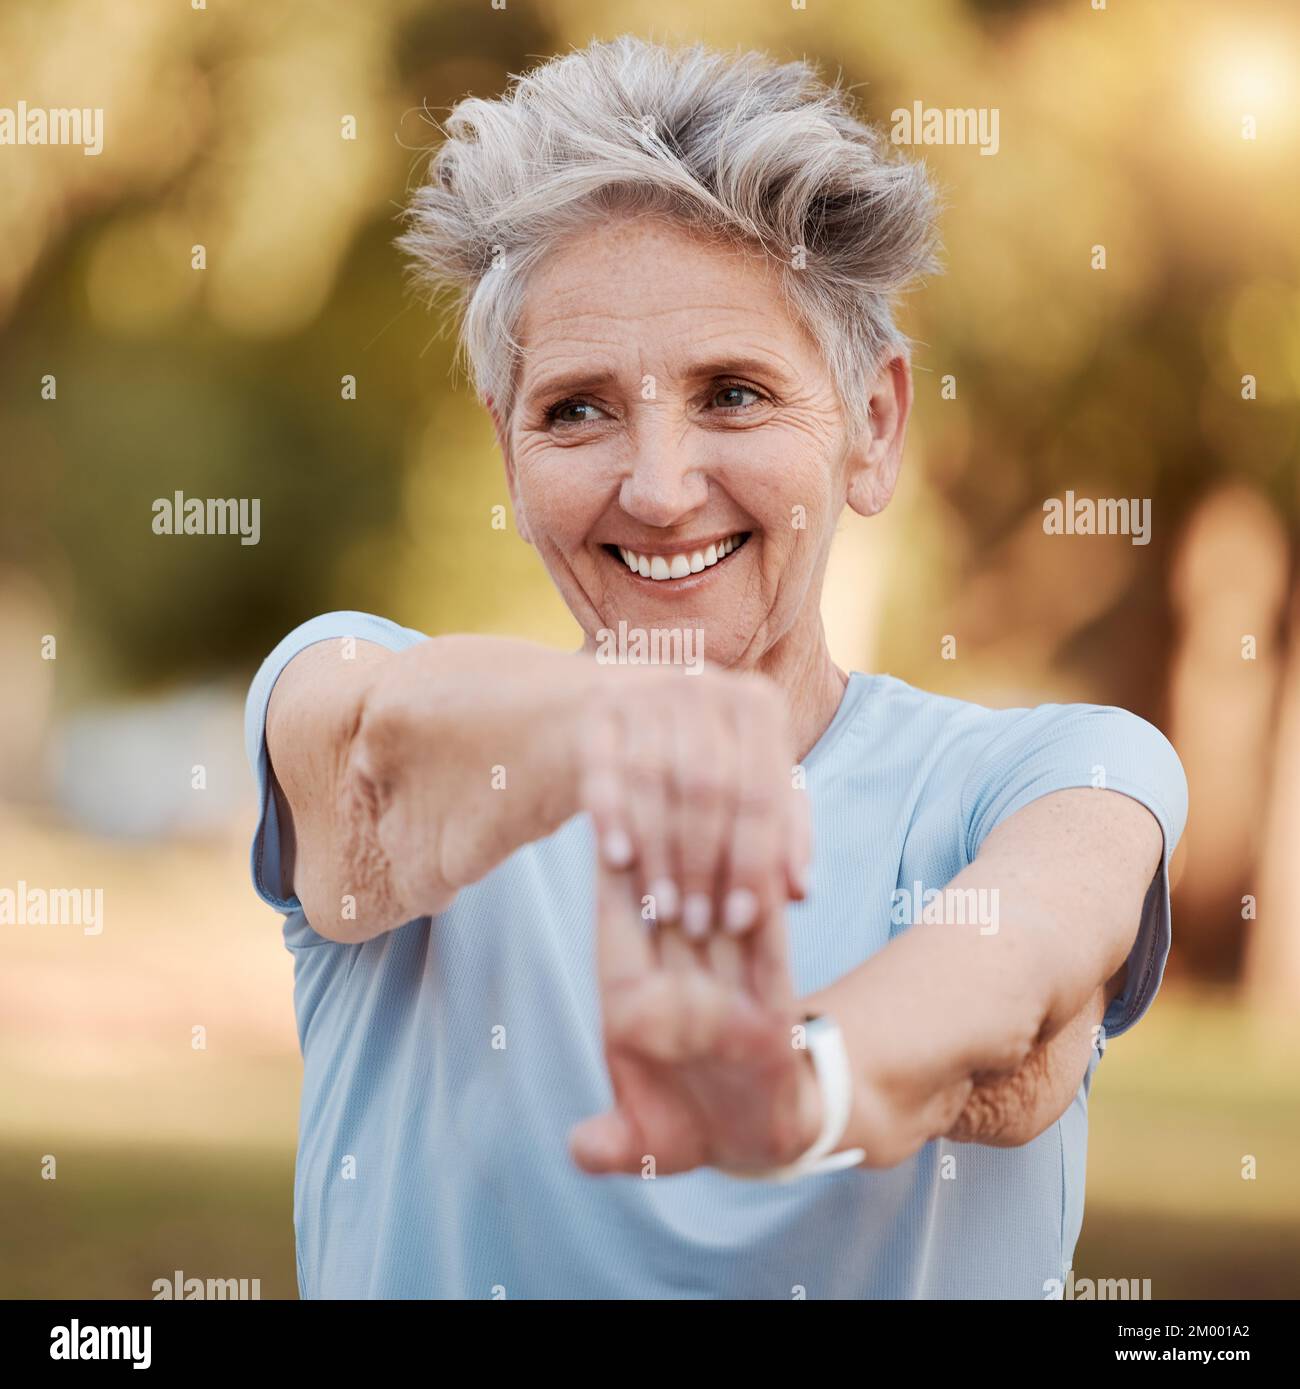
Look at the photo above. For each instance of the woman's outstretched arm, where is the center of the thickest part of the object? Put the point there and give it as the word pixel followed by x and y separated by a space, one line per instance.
pixel 401 778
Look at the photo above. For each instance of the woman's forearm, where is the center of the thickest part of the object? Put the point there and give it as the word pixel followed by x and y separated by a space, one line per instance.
pixel 938 1007
pixel 949 1011
pixel 411 775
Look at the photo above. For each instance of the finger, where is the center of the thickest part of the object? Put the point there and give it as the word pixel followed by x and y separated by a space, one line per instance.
pixel 703 754
pixel 601 791
pixel 755 855
pixel 704 758
pixel 670 1019
pixel 625 943
pixel 768 963
pixel 703 1009
pixel 647 741
pixel 725 956
pixel 799 837
pixel 758 855
pixel 646 757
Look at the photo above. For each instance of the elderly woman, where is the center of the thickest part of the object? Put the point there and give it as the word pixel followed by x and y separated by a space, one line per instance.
pixel 748 977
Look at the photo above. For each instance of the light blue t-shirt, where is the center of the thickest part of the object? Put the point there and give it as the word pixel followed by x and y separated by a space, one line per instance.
pixel 446 1061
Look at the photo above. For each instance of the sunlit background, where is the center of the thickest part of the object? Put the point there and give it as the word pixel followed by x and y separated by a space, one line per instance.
pixel 1167 134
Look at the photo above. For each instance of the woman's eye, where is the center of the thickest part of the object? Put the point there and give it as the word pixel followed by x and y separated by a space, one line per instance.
pixel 734 397
pixel 574 412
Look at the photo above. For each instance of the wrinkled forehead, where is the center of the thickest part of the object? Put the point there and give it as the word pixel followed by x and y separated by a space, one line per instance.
pixel 649 291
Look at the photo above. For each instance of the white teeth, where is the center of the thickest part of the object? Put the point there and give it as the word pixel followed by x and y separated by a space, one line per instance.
pixel 661 567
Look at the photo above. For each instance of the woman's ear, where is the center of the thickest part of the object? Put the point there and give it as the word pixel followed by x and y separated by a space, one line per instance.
pixel 875 459
pixel 507 456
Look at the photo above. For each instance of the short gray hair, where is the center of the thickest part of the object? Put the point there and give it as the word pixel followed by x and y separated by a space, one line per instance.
pixel 729 144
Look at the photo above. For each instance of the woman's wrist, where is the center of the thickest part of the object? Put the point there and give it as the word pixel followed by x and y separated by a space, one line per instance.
pixel 823 1103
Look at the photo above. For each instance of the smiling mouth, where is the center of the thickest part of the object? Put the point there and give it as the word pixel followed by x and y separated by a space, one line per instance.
pixel 683 565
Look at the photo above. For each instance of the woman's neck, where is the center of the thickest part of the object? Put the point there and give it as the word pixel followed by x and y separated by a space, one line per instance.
pixel 814 686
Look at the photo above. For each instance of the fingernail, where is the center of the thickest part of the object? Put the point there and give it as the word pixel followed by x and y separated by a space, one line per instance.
pixel 697 915
pixel 664 891
pixel 800 876
pixel 618 849
pixel 740 911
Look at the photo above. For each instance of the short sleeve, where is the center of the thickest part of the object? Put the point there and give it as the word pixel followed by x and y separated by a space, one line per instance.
pixel 336 626
pixel 1056 747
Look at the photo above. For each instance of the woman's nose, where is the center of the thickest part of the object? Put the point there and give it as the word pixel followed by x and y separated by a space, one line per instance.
pixel 664 485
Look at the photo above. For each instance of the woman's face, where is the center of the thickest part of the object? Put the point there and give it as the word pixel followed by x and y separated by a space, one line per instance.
pixel 677 452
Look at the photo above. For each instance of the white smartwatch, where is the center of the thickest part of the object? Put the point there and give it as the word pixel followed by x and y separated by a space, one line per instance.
pixel 835 1082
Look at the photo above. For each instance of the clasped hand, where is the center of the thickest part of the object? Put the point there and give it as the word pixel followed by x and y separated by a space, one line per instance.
pixel 701 841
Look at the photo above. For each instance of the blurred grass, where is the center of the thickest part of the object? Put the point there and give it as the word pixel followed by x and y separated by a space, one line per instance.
pixel 1176 1105
pixel 119 1217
